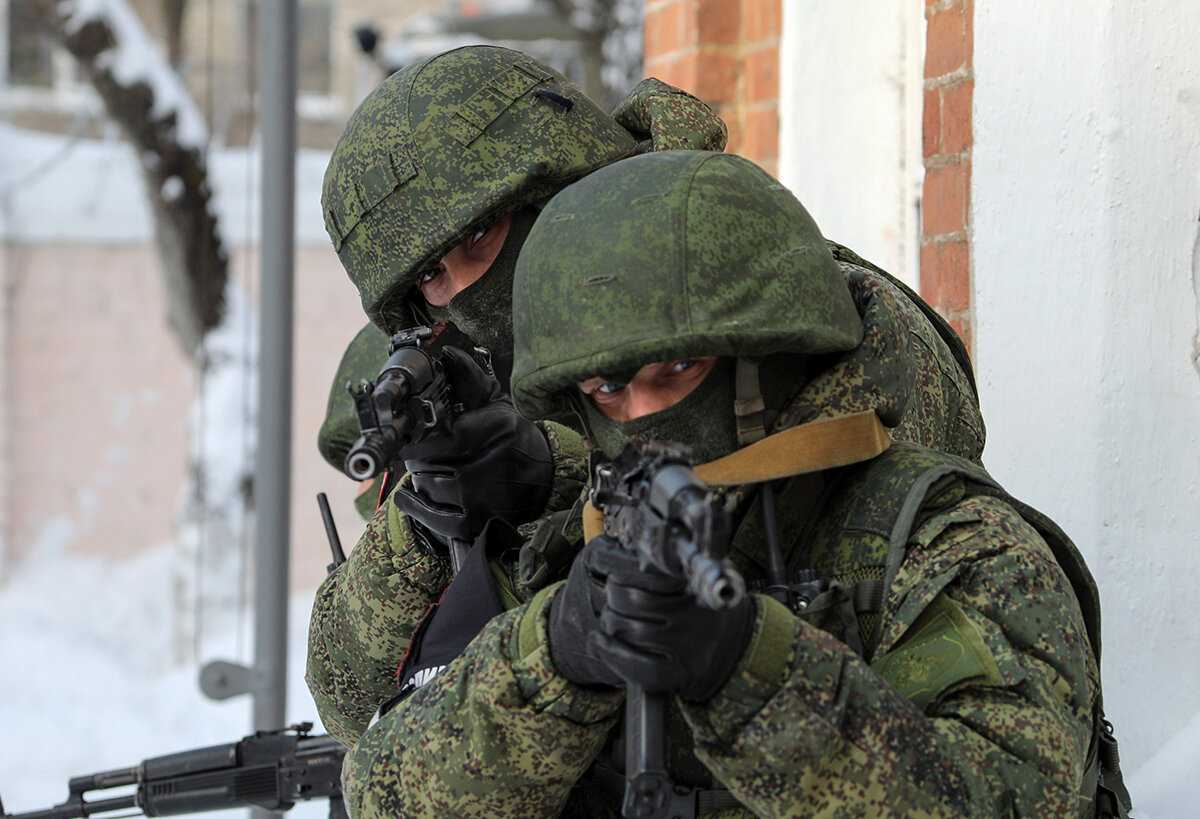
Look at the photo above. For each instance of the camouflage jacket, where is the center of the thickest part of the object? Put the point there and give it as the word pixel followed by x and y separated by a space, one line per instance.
pixel 365 613
pixel 971 692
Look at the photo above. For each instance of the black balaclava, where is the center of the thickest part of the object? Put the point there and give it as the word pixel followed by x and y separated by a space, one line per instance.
pixel 483 310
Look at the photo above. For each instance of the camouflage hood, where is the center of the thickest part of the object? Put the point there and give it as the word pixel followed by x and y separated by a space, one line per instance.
pixel 448 145
pixel 670 255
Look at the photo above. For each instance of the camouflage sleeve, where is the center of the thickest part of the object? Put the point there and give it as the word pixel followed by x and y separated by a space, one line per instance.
pixel 497 734
pixel 363 617
pixel 979 705
pixel 364 614
pixel 669 119
pixel 570 465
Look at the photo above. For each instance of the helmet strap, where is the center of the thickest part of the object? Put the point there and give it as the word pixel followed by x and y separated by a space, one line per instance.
pixel 749 408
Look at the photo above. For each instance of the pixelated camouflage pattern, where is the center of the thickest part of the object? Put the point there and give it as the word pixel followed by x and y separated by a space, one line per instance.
pixel 943 408
pixel 446 145
pixel 805 727
pixel 516 755
pixel 665 118
pixel 363 358
pixel 903 370
pixel 383 588
pixel 661 256
pixel 365 612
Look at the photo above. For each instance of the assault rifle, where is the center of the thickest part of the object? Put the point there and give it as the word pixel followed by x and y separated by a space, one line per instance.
pixel 408 399
pixel 656 506
pixel 268 769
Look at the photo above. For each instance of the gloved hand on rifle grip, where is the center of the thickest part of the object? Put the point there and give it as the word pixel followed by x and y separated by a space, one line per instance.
pixel 575 616
pixel 493 462
pixel 645 629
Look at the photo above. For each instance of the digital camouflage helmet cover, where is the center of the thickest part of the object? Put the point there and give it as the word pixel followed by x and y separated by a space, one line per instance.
pixel 448 145
pixel 665 256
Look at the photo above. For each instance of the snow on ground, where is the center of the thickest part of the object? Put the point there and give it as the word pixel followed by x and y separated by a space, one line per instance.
pixel 86 679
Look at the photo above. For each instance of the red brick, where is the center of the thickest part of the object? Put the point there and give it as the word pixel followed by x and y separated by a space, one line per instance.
pixel 957 133
pixel 944 202
pixel 762 20
pixel 761 140
pixel 718 22
pixel 949 280
pixel 931 123
pixel 945 43
pixel 716 76
pixel 761 72
pixel 969 33
pixel 665 30
pixel 678 70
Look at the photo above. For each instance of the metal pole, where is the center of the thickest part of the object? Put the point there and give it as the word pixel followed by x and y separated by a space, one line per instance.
pixel 272 473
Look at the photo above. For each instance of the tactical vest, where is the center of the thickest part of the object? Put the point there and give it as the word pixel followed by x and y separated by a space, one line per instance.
pixel 861 519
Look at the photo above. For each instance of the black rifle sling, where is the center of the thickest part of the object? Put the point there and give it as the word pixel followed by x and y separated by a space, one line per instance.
pixel 468 603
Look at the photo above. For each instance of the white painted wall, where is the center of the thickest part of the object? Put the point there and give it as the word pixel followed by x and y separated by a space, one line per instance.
pixel 850 123
pixel 1086 266
pixel 1086 251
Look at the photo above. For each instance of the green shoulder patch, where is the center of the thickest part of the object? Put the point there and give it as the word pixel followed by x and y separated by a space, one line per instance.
pixel 941 652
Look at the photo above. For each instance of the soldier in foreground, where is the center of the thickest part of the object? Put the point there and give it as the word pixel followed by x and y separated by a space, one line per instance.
pixel 411 200
pixel 933 650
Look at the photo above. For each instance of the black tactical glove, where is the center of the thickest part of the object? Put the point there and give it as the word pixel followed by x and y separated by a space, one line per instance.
pixel 575 616
pixel 493 463
pixel 649 631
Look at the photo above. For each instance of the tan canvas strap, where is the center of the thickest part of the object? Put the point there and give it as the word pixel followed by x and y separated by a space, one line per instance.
pixel 812 447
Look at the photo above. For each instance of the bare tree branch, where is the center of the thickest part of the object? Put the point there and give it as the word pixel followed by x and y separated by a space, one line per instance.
pixel 194 261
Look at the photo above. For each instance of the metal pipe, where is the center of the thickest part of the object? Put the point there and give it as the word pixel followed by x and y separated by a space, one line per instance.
pixel 272 473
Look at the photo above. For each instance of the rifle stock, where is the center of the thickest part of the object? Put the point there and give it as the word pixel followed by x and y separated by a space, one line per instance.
pixel 271 770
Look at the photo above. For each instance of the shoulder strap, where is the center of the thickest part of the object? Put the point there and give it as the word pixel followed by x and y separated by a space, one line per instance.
pixel 1102 780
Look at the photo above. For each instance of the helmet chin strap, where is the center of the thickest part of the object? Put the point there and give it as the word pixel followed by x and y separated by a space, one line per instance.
pixel 749 408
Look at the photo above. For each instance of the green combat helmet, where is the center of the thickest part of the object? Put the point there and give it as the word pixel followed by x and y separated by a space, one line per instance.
pixel 444 147
pixel 665 256
pixel 362 359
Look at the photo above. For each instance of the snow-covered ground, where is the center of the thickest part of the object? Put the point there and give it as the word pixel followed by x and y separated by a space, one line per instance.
pixel 87 682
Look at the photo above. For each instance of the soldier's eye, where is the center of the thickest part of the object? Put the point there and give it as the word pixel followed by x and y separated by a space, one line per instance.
pixel 428 276
pixel 608 388
pixel 683 365
pixel 478 235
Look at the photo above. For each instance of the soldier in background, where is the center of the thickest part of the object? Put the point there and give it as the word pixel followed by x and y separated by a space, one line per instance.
pixel 932 656
pixel 438 176
pixel 363 358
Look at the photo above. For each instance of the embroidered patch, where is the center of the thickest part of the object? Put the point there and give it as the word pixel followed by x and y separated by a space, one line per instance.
pixel 941 652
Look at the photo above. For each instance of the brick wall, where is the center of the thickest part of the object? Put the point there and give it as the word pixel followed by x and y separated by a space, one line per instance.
pixel 727 53
pixel 947 139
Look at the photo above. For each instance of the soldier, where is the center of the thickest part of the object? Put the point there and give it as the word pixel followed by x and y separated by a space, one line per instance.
pixel 931 657
pixel 435 181
pixel 439 155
